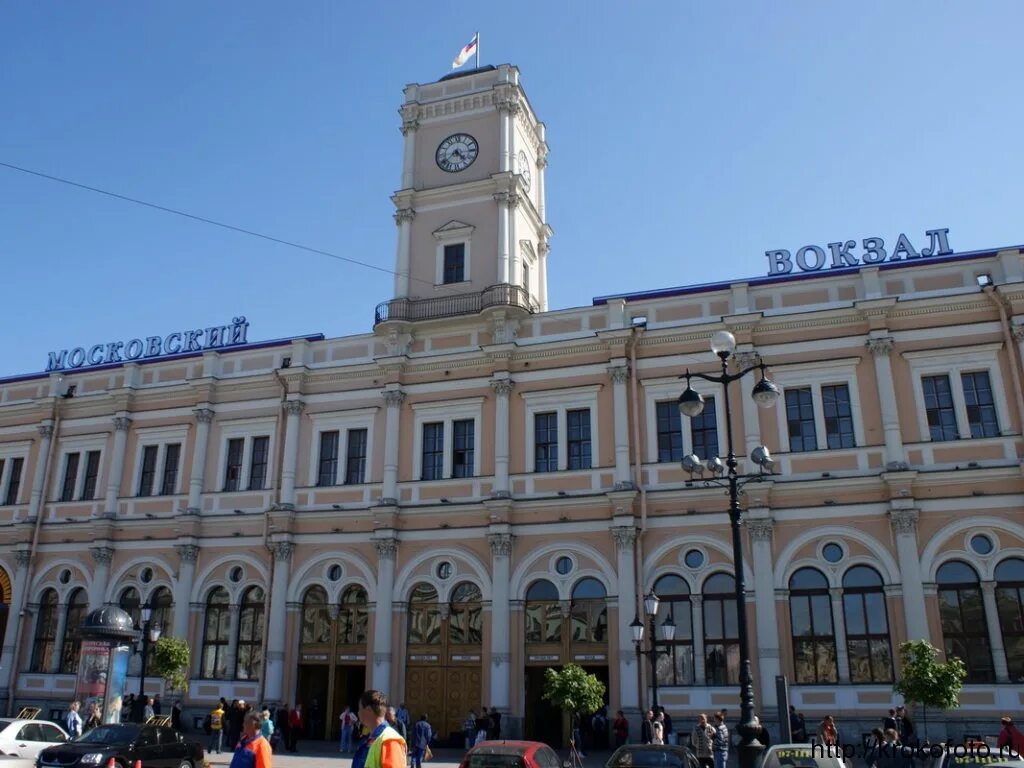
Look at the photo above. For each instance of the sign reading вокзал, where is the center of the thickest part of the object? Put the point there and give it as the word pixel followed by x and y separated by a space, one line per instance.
pixel 813 258
pixel 177 343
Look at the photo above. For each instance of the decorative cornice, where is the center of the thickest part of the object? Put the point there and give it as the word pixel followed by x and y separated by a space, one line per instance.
pixel 760 529
pixel 393 398
pixel 404 215
pixel 880 346
pixel 386 548
pixel 122 423
pixel 619 374
pixel 409 125
pixel 187 553
pixel 624 536
pixel 903 521
pixel 509 104
pixel 203 415
pixel 501 544
pixel 502 387
pixel 294 407
pixel 283 551
pixel 102 555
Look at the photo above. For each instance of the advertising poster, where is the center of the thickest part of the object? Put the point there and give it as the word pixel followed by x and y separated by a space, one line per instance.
pixel 93 671
pixel 117 678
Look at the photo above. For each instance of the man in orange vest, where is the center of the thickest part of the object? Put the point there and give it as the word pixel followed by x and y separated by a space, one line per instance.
pixel 384 747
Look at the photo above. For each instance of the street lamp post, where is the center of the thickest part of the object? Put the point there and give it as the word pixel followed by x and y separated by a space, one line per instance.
pixel 668 634
pixel 150 634
pixel 691 403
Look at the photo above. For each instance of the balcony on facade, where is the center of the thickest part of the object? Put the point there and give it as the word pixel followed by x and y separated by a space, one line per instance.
pixel 438 307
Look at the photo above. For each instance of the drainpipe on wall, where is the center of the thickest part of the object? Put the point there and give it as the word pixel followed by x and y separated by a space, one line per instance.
pixel 15 669
pixel 638 553
pixel 1011 349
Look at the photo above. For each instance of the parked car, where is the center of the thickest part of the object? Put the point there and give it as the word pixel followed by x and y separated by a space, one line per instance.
pixel 653 756
pixel 27 738
pixel 511 754
pixel 800 756
pixel 972 754
pixel 156 746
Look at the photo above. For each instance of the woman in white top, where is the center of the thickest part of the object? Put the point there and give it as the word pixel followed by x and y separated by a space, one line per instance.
pixel 658 729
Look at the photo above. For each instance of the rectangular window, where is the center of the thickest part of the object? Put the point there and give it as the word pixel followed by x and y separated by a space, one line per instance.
pixel 545 442
pixel 938 406
pixel 148 473
pixel 835 403
pixel 258 463
pixel 433 451
pixel 233 470
pixel 355 457
pixel 704 429
pixel 455 263
pixel 67 492
pixel 14 483
pixel 800 419
pixel 577 424
pixel 981 408
pixel 169 481
pixel 92 471
pixel 328 466
pixel 670 431
pixel 463 448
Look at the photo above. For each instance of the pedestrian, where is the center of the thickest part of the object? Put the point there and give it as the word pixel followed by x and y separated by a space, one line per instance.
pixel 1010 736
pixel 701 739
pixel 761 733
pixel 621 728
pixel 577 733
pixel 827 734
pixel 720 742
pixel 232 724
pixel 495 724
pixel 216 720
pixel 483 723
pixel 422 734
pixel 73 721
pixel 313 720
pixel 295 727
pixel 348 722
pixel 92 718
pixel 398 725
pixel 176 715
pixel 403 715
pixel 128 708
pixel 147 709
pixel 157 705
pixel 469 729
pixel 599 728
pixel 905 727
pixel 889 721
pixel 874 751
pixel 382 747
pixel 670 733
pixel 281 723
pixel 267 728
pixel 253 751
pixel 658 729
pixel 646 727
pixel 801 734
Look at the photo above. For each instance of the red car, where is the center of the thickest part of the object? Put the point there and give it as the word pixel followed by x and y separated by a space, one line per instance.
pixel 511 754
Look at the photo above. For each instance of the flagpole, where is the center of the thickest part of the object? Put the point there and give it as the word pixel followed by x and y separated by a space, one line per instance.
pixel 478 50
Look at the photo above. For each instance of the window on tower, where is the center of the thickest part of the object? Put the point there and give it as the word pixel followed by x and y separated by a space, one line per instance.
pixel 455 263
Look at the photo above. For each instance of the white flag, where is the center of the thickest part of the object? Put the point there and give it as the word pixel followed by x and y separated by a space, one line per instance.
pixel 466 52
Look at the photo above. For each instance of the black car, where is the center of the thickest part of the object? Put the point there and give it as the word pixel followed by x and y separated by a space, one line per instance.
pixel 156 746
pixel 652 756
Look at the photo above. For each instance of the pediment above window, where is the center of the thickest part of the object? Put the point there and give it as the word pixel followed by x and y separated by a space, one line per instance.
pixel 454 230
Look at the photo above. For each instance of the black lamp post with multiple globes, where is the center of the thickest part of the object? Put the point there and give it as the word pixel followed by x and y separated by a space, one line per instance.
pixel 668 634
pixel 150 634
pixel 691 404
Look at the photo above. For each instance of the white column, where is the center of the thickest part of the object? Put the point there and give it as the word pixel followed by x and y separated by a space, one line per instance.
pixel 403 217
pixel 699 672
pixel 995 632
pixel 14 622
pixel 232 655
pixel 502 389
pixel 514 267
pixel 766 617
pixel 502 198
pixel 188 554
pixel 629 690
pixel 880 348
pixel 387 549
pixel 620 375
pixel 409 126
pixel 751 418
pixel 39 475
pixel 505 134
pixel 101 557
pixel 121 426
pixel 904 526
pixel 542 254
pixel 204 416
pixel 58 644
pixel 542 164
pixel 274 666
pixel 293 409
pixel 393 399
pixel 501 555
pixel 839 633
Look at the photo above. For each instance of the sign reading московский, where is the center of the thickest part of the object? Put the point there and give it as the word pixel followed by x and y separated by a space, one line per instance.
pixel 812 258
pixel 217 337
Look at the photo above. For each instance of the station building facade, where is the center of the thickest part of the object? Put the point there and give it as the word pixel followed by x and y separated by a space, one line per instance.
pixel 480 487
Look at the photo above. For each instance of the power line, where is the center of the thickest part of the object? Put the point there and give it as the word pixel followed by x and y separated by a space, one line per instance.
pixel 202 219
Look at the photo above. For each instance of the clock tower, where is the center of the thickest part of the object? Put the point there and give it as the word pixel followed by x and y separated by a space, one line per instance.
pixel 470 211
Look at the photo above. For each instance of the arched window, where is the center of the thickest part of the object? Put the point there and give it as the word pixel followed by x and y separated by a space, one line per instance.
pixel 215 635
pixel 466 621
pixel 131 604
pixel 677 667
pixel 424 616
pixel 814 642
pixel 162 603
pixel 964 631
pixel 589 611
pixel 352 617
pixel 316 619
pixel 543 613
pixel 78 604
pixel 250 635
pixel 867 626
pixel 721 631
pixel 1010 602
pixel 46 633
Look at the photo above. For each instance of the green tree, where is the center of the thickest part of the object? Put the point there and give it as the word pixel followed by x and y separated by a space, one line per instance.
pixel 928 682
pixel 572 689
pixel 171 658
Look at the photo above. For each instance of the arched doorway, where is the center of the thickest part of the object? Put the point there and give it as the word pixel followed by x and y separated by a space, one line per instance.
pixel 5 606
pixel 443 657
pixel 332 657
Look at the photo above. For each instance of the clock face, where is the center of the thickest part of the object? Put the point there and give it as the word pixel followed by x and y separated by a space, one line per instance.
pixel 456 153
pixel 524 169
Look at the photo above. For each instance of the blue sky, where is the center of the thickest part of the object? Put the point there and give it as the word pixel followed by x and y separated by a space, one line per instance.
pixel 686 140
